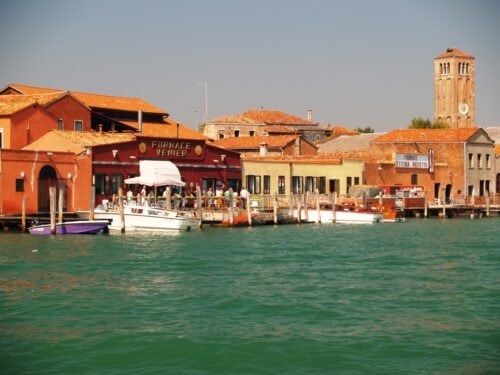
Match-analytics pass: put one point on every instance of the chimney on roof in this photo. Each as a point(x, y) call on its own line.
point(263, 149)
point(139, 122)
point(309, 115)
point(297, 146)
point(100, 128)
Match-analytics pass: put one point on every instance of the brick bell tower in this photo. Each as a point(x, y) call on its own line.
point(454, 99)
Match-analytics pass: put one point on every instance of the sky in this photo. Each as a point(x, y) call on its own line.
point(353, 63)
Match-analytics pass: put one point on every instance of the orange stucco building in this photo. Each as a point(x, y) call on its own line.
point(25, 118)
point(77, 141)
point(30, 173)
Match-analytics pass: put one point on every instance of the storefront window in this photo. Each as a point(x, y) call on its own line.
point(267, 184)
point(297, 184)
point(281, 184)
point(253, 184)
point(310, 184)
point(116, 183)
point(321, 184)
point(208, 183)
point(99, 184)
point(234, 184)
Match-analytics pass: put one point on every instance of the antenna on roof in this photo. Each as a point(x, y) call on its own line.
point(139, 122)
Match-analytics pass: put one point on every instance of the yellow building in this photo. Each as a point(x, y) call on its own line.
point(297, 174)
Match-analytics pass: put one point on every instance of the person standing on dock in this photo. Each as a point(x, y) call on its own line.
point(210, 195)
point(243, 195)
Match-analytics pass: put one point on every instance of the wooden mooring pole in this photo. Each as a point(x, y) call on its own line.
point(426, 204)
point(334, 207)
point(168, 199)
point(249, 212)
point(23, 214)
point(306, 208)
point(231, 207)
point(299, 208)
point(122, 212)
point(53, 202)
point(318, 212)
point(487, 204)
point(275, 208)
point(199, 202)
point(61, 205)
point(92, 203)
point(443, 199)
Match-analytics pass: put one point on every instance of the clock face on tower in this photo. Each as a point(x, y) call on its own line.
point(463, 108)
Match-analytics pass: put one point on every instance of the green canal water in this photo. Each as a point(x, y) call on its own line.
point(421, 297)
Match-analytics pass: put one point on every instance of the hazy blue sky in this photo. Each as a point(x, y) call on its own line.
point(356, 63)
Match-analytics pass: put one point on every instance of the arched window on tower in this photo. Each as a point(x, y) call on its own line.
point(441, 68)
point(448, 68)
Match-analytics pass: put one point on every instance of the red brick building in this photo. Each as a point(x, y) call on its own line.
point(459, 161)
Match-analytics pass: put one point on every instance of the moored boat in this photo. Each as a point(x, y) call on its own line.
point(72, 227)
point(343, 215)
point(393, 216)
point(143, 218)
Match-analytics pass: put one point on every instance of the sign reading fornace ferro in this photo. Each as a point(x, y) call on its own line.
point(171, 148)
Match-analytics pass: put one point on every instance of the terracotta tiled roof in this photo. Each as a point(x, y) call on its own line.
point(337, 131)
point(32, 90)
point(233, 119)
point(97, 100)
point(352, 155)
point(10, 104)
point(272, 117)
point(453, 52)
point(426, 135)
point(165, 130)
point(254, 142)
point(310, 159)
point(273, 129)
point(90, 139)
point(116, 102)
point(348, 143)
point(262, 117)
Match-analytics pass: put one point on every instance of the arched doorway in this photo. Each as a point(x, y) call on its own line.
point(47, 178)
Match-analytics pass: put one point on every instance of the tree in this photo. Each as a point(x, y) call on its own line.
point(365, 130)
point(420, 123)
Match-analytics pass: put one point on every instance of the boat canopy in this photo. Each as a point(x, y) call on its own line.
point(157, 173)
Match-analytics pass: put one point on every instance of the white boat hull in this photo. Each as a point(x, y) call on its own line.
point(343, 217)
point(149, 219)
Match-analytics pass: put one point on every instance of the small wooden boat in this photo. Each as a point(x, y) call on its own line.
point(72, 227)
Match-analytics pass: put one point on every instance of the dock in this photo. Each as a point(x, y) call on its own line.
point(274, 209)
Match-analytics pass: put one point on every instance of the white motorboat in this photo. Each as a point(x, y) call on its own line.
point(143, 218)
point(344, 216)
